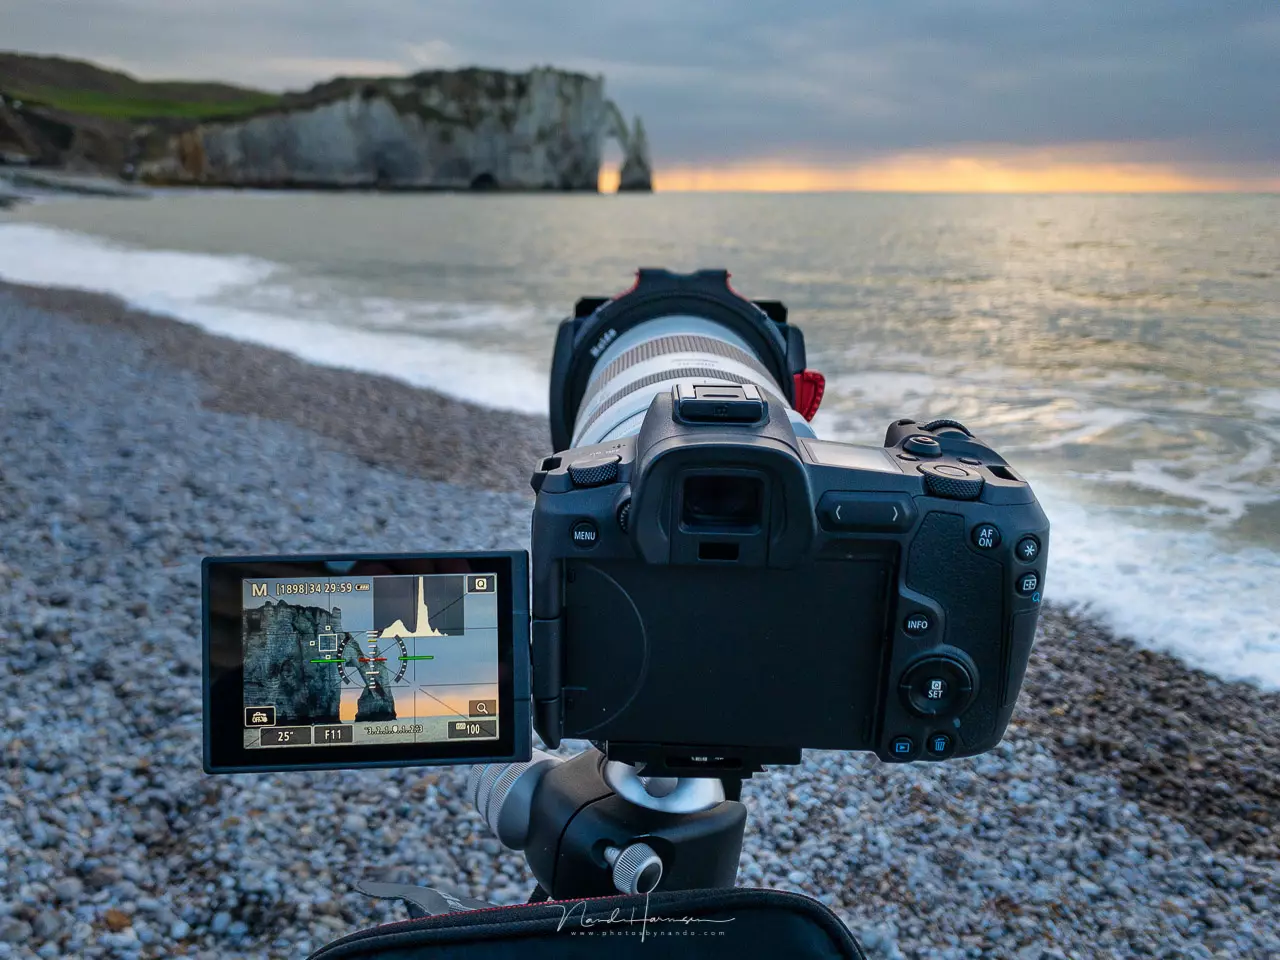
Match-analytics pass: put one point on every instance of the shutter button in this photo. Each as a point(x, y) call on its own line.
point(922, 446)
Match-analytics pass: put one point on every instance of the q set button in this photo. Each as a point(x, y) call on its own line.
point(937, 687)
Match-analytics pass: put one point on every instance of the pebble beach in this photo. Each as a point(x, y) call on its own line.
point(1133, 808)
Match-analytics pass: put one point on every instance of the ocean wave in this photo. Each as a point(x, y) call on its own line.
point(1266, 401)
point(1172, 589)
point(255, 301)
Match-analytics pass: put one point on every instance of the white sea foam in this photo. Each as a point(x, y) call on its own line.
point(1267, 401)
point(1224, 491)
point(1080, 426)
point(209, 291)
point(1177, 590)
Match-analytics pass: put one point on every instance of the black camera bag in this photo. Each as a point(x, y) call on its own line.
point(731, 923)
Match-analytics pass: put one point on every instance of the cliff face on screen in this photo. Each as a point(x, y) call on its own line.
point(277, 651)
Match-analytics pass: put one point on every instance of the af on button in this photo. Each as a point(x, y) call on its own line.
point(986, 536)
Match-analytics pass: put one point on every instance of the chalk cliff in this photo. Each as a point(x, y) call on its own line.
point(637, 170)
point(464, 129)
point(278, 667)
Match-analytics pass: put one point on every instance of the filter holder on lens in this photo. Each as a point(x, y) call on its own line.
point(597, 322)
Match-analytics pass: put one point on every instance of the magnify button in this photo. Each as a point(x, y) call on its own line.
point(482, 708)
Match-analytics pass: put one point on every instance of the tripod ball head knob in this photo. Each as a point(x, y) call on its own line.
point(583, 837)
point(637, 869)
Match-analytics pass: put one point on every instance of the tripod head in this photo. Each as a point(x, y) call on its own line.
point(589, 826)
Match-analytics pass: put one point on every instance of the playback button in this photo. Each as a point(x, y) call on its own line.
point(902, 748)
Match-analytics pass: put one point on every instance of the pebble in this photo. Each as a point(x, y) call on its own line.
point(114, 483)
point(68, 889)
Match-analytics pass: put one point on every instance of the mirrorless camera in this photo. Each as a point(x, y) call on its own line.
point(710, 587)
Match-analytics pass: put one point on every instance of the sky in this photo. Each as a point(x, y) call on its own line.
point(808, 95)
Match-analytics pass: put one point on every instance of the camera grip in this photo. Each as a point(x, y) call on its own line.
point(942, 565)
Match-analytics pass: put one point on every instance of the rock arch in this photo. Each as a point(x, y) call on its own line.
point(636, 173)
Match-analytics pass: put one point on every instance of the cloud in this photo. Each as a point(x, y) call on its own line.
point(825, 84)
point(433, 55)
point(302, 71)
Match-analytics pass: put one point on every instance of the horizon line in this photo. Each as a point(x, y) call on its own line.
point(930, 191)
point(1043, 172)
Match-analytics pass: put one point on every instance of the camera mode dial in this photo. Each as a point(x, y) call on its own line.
point(951, 482)
point(594, 471)
point(953, 426)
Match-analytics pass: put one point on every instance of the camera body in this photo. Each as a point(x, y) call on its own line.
point(711, 587)
point(715, 592)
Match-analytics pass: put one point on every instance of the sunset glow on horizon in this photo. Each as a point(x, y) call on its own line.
point(1037, 173)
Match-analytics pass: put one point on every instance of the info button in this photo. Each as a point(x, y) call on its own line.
point(870, 512)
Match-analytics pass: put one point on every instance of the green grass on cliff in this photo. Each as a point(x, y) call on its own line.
point(116, 106)
point(89, 90)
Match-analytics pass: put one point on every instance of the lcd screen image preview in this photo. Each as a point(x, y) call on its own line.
point(386, 659)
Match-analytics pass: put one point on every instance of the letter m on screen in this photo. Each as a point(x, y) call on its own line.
point(259, 589)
